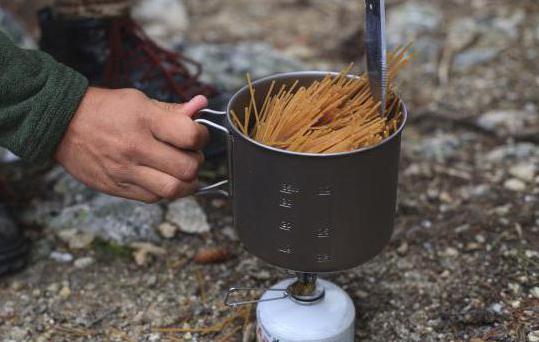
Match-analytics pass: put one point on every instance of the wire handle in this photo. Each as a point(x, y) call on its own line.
point(217, 121)
point(233, 290)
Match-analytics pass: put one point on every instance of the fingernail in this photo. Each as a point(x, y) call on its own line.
point(198, 98)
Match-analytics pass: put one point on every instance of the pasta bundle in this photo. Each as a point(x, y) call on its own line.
point(335, 114)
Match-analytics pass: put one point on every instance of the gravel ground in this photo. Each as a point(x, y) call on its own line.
point(463, 264)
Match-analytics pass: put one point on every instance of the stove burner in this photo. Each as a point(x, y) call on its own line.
point(306, 290)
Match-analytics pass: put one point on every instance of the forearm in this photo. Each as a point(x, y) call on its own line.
point(38, 98)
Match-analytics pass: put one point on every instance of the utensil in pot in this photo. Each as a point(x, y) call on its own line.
point(375, 19)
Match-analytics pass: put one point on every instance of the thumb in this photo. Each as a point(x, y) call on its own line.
point(192, 107)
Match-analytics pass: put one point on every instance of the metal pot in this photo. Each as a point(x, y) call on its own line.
point(308, 212)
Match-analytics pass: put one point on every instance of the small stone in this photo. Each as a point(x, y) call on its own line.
point(445, 274)
point(403, 248)
point(451, 252)
point(61, 257)
point(508, 122)
point(65, 292)
point(535, 292)
point(476, 339)
point(36, 293)
point(138, 317)
point(53, 287)
point(480, 238)
point(187, 214)
point(497, 308)
point(218, 203)
point(531, 254)
point(16, 286)
point(151, 280)
point(262, 275)
point(361, 294)
point(533, 336)
point(523, 171)
point(515, 304)
point(167, 230)
point(515, 184)
point(83, 262)
point(230, 233)
point(514, 287)
point(76, 239)
point(472, 246)
point(18, 334)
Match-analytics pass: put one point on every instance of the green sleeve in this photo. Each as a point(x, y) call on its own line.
point(38, 97)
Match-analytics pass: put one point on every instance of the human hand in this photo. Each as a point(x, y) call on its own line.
point(122, 143)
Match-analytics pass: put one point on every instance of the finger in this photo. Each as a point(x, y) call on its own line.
point(179, 131)
point(190, 108)
point(162, 184)
point(137, 193)
point(183, 165)
point(195, 105)
point(168, 106)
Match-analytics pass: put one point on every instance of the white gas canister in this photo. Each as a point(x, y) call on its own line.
point(332, 319)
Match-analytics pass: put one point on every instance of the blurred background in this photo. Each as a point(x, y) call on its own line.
point(463, 264)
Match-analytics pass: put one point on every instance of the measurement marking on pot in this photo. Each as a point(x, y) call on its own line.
point(323, 191)
point(286, 202)
point(322, 232)
point(287, 188)
point(322, 258)
point(286, 225)
point(285, 249)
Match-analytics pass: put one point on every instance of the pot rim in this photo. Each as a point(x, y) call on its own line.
point(304, 154)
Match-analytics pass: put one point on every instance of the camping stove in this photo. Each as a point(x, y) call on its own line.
point(302, 309)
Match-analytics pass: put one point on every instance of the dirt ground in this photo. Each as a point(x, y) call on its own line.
point(463, 264)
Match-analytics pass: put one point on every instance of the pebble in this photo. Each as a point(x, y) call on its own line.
point(151, 280)
point(451, 252)
point(230, 233)
point(533, 336)
point(507, 122)
point(53, 287)
point(361, 294)
point(76, 239)
point(167, 230)
point(83, 262)
point(187, 214)
point(535, 292)
point(523, 171)
point(515, 184)
point(497, 308)
point(16, 286)
point(480, 238)
point(403, 248)
point(61, 257)
point(65, 292)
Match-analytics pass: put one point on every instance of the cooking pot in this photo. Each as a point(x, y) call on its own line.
point(307, 212)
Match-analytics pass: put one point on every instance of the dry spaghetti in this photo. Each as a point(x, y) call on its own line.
point(335, 114)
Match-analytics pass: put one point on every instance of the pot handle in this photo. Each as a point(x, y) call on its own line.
point(215, 119)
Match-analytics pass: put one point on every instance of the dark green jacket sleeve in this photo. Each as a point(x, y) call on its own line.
point(38, 97)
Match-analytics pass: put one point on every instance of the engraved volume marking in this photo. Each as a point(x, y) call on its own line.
point(286, 225)
point(285, 202)
point(287, 188)
point(322, 258)
point(322, 232)
point(286, 249)
point(323, 191)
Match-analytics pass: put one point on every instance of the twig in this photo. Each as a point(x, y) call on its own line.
point(102, 317)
